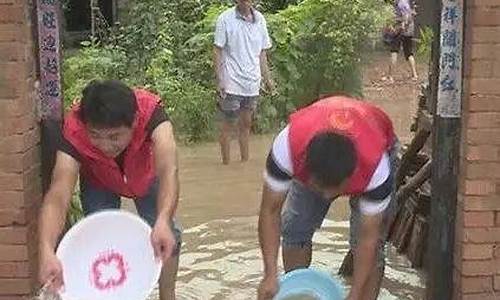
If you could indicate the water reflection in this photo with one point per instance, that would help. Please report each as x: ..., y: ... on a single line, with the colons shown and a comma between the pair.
x: 221, y: 260
x: 220, y: 256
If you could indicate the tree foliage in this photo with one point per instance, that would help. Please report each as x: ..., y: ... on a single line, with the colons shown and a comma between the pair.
x: 166, y: 46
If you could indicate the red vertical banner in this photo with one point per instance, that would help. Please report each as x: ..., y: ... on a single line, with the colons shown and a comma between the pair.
x: 50, y: 59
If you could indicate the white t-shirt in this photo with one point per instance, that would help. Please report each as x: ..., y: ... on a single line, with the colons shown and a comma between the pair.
x: 241, y: 42
x: 281, y: 156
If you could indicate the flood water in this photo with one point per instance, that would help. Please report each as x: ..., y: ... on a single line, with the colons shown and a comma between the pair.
x: 218, y: 209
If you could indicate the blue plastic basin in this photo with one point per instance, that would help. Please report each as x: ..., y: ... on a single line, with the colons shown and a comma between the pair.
x: 311, y: 282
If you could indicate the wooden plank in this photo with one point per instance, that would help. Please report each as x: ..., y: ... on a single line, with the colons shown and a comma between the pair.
x: 414, y: 182
x: 418, y: 241
x: 403, y: 232
x: 447, y: 90
x: 49, y: 51
x: 443, y: 208
x: 417, y: 143
x: 398, y: 229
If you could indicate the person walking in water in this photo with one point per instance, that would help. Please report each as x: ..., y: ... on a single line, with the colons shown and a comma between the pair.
x: 404, y: 38
x: 240, y: 60
x: 337, y: 146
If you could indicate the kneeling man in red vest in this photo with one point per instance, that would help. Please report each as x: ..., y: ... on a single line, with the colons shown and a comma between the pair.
x: 118, y: 142
x: 337, y: 146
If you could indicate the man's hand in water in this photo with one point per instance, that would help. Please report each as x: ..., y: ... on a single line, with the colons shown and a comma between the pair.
x: 51, y: 272
x: 268, y: 288
x: 162, y: 239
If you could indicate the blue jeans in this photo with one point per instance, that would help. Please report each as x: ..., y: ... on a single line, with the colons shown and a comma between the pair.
x: 95, y: 199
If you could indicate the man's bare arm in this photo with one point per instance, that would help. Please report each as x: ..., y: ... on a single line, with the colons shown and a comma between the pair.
x: 56, y: 201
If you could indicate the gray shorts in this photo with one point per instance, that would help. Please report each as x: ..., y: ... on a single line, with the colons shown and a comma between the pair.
x: 304, y: 211
x: 231, y: 105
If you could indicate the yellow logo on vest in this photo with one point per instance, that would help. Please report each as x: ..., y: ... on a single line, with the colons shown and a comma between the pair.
x: 341, y: 120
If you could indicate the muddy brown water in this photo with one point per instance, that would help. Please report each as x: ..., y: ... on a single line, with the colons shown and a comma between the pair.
x: 218, y: 209
x: 220, y: 256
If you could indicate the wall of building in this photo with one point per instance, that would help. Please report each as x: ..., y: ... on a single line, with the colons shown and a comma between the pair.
x: 477, y: 249
x: 20, y: 182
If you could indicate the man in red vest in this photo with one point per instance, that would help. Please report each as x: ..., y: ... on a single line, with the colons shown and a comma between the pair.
x: 335, y: 147
x: 118, y: 142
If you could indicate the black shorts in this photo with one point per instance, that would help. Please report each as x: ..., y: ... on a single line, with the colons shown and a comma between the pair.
x: 408, y: 45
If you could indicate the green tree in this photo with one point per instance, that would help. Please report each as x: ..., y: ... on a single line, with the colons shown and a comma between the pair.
x: 273, y: 6
x: 166, y: 46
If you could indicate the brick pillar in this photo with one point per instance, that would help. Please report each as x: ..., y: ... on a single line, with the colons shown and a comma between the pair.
x: 477, y: 249
x: 20, y: 184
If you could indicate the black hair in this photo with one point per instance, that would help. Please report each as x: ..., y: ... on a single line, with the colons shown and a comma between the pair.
x: 108, y: 104
x: 330, y: 158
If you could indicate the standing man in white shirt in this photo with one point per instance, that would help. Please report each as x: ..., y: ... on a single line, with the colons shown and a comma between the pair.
x: 240, y: 59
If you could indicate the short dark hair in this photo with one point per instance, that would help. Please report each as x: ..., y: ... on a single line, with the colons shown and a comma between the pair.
x: 330, y: 158
x: 108, y: 104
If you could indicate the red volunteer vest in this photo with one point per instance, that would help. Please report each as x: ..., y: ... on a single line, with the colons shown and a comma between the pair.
x: 102, y: 171
x: 369, y: 128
